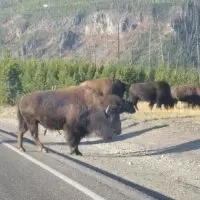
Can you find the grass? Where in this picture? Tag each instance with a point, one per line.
(8, 111)
(181, 111)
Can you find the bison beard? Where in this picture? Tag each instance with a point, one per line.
(106, 129)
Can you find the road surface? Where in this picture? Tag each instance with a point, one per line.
(36, 175)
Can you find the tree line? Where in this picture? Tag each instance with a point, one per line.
(18, 76)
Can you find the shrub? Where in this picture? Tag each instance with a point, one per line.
(21, 76)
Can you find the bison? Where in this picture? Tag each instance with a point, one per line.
(158, 92)
(112, 90)
(189, 94)
(105, 86)
(75, 111)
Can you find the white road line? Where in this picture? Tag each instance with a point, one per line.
(56, 173)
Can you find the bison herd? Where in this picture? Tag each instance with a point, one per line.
(93, 106)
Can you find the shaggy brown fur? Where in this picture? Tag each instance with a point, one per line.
(62, 109)
(186, 93)
(158, 92)
(105, 86)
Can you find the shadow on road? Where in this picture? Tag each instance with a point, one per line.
(180, 148)
(128, 183)
(165, 118)
(129, 126)
(8, 141)
(124, 136)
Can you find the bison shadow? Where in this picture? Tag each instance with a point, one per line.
(131, 125)
(180, 148)
(8, 141)
(123, 136)
(157, 119)
(55, 143)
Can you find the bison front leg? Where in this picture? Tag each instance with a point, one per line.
(151, 104)
(135, 102)
(73, 144)
(45, 131)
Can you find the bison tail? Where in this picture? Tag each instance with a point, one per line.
(22, 126)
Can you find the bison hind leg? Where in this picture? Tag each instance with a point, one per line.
(33, 127)
(23, 128)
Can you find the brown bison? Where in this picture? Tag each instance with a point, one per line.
(105, 86)
(75, 111)
(189, 94)
(109, 88)
(158, 92)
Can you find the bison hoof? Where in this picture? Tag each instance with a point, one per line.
(77, 152)
(44, 150)
(22, 149)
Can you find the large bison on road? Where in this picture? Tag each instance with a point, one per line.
(105, 86)
(75, 111)
(158, 92)
(189, 94)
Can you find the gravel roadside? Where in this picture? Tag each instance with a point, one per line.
(162, 155)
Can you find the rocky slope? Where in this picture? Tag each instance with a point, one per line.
(137, 32)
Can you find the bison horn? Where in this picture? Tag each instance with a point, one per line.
(107, 109)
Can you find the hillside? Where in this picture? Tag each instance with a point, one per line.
(139, 32)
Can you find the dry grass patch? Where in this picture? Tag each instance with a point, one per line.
(144, 112)
(180, 111)
(8, 111)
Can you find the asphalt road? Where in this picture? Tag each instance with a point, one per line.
(36, 175)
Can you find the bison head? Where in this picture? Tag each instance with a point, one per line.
(127, 106)
(112, 113)
(105, 123)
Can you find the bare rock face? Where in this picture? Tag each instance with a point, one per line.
(78, 19)
(110, 23)
(73, 35)
(187, 28)
(100, 23)
(68, 40)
